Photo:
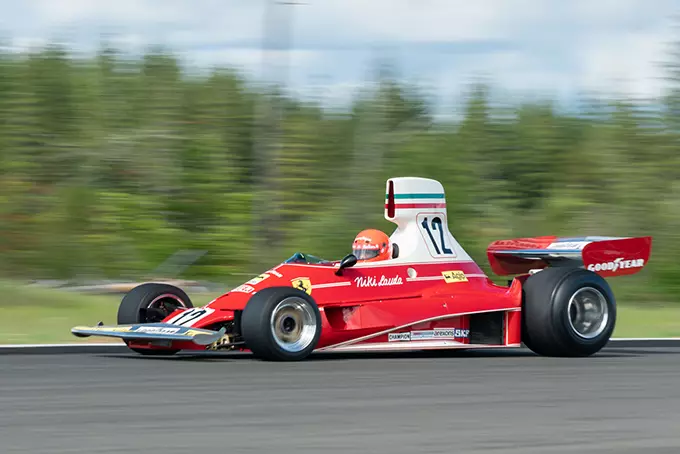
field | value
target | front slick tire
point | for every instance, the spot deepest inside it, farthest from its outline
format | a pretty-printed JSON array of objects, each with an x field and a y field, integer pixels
[
  {"x": 568, "y": 312},
  {"x": 151, "y": 303},
  {"x": 281, "y": 324}
]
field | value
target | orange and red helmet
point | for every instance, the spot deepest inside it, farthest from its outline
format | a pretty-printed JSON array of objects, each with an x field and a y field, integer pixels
[{"x": 372, "y": 245}]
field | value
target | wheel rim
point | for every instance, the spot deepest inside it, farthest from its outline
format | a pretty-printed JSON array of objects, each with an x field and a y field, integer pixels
[
  {"x": 293, "y": 324},
  {"x": 588, "y": 312},
  {"x": 162, "y": 306}
]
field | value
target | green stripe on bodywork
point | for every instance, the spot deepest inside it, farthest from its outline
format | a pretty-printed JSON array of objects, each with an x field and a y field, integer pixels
[{"x": 416, "y": 196}]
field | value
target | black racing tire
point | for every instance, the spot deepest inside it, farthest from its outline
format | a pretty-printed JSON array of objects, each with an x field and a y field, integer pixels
[
  {"x": 555, "y": 301},
  {"x": 150, "y": 303},
  {"x": 295, "y": 310}
]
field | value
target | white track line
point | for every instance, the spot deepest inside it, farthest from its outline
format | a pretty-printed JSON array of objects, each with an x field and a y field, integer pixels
[
  {"x": 114, "y": 344},
  {"x": 84, "y": 344},
  {"x": 645, "y": 339}
]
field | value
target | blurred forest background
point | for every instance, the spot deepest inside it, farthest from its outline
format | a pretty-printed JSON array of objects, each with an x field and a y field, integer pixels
[{"x": 109, "y": 165}]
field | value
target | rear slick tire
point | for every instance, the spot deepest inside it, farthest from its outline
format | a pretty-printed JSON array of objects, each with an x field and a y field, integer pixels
[
  {"x": 281, "y": 324},
  {"x": 567, "y": 312}
]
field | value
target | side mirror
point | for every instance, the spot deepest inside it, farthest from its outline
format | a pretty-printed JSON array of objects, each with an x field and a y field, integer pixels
[{"x": 349, "y": 261}]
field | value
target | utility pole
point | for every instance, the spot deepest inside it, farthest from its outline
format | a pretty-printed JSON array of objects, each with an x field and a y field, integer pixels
[{"x": 267, "y": 233}]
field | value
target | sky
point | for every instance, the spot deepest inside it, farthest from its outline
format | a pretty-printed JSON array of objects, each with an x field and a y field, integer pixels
[{"x": 525, "y": 48}]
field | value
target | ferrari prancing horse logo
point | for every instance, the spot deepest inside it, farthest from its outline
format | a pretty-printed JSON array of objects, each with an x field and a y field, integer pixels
[{"x": 302, "y": 283}]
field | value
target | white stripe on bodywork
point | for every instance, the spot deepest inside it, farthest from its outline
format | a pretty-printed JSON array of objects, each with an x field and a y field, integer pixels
[
  {"x": 331, "y": 284},
  {"x": 424, "y": 345},
  {"x": 437, "y": 278},
  {"x": 382, "y": 264},
  {"x": 407, "y": 264}
]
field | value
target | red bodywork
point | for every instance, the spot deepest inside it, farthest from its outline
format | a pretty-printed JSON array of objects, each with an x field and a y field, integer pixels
[
  {"x": 360, "y": 306},
  {"x": 381, "y": 307}
]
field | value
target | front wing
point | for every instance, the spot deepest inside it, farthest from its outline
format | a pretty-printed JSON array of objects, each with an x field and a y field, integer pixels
[{"x": 151, "y": 331}]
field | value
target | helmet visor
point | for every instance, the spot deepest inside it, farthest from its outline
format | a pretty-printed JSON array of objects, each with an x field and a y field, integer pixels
[{"x": 364, "y": 252}]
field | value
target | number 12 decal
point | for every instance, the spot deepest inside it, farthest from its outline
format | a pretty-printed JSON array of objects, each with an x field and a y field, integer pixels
[{"x": 432, "y": 226}]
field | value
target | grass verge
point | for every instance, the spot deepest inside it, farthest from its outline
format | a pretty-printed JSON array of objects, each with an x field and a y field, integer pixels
[
  {"x": 34, "y": 316},
  {"x": 45, "y": 316}
]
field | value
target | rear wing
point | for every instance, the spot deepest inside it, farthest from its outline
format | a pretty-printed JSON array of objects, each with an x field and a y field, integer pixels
[{"x": 607, "y": 256}]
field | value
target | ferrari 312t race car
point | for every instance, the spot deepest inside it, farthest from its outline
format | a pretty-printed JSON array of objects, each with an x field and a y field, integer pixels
[{"x": 429, "y": 295}]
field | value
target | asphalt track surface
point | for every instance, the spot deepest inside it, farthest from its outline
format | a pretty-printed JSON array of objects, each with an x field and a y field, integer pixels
[{"x": 623, "y": 400}]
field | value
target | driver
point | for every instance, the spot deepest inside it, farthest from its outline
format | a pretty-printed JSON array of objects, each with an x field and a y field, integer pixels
[{"x": 371, "y": 245}]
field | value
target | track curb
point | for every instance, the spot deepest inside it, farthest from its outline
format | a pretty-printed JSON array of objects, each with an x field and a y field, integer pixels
[{"x": 103, "y": 348}]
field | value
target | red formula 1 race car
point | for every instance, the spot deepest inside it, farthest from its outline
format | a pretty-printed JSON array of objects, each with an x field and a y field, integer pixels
[{"x": 428, "y": 294}]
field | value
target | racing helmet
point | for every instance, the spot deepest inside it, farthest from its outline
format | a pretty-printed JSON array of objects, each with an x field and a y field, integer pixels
[{"x": 372, "y": 245}]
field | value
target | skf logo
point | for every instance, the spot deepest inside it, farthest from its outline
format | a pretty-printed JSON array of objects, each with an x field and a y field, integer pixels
[
  {"x": 616, "y": 264},
  {"x": 454, "y": 276},
  {"x": 302, "y": 283}
]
